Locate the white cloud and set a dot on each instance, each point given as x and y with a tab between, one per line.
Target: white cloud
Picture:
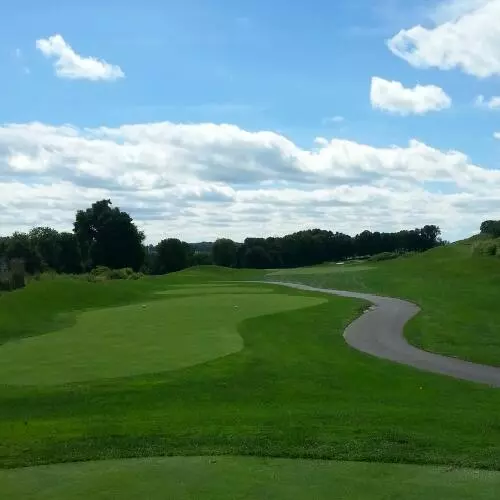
394	97
69	64
201	181
491	103
496	135
465	36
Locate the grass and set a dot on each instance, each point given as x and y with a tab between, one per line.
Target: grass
51	304
321	270
295	390
187	478
457	291
141	338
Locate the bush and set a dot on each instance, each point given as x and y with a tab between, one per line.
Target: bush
100	273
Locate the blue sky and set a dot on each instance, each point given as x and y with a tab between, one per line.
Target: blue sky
300	70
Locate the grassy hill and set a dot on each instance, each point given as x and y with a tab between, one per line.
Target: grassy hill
271	377
456	288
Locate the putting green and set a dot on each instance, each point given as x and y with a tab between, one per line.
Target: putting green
140	338
206	478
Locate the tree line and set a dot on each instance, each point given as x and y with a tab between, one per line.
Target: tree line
315	246
105	236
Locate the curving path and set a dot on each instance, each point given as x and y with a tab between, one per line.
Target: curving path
379	332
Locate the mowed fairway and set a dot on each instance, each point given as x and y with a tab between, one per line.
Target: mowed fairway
142	338
271	417
213	478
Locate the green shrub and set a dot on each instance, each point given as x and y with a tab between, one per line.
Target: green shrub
100	273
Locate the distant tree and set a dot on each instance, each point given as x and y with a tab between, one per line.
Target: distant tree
171	255
4	242
70	257
491	228
256	257
46	242
189	253
201	259
108	237
20	246
224	252
340	247
429	237
363	244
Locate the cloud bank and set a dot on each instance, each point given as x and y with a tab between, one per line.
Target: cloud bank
201	181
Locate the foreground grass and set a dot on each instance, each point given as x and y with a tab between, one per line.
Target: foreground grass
295	390
205	478
458	294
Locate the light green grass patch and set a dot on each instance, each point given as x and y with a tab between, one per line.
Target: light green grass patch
140	338
329	269
207	478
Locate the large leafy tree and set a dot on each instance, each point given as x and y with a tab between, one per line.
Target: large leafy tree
108	237
171	255
224	252
491	227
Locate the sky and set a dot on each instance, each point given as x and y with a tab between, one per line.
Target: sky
216	118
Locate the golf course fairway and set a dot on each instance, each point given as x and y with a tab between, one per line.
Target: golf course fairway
212	478
194	386
140	338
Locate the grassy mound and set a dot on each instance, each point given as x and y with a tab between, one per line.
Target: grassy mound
456	288
216	478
